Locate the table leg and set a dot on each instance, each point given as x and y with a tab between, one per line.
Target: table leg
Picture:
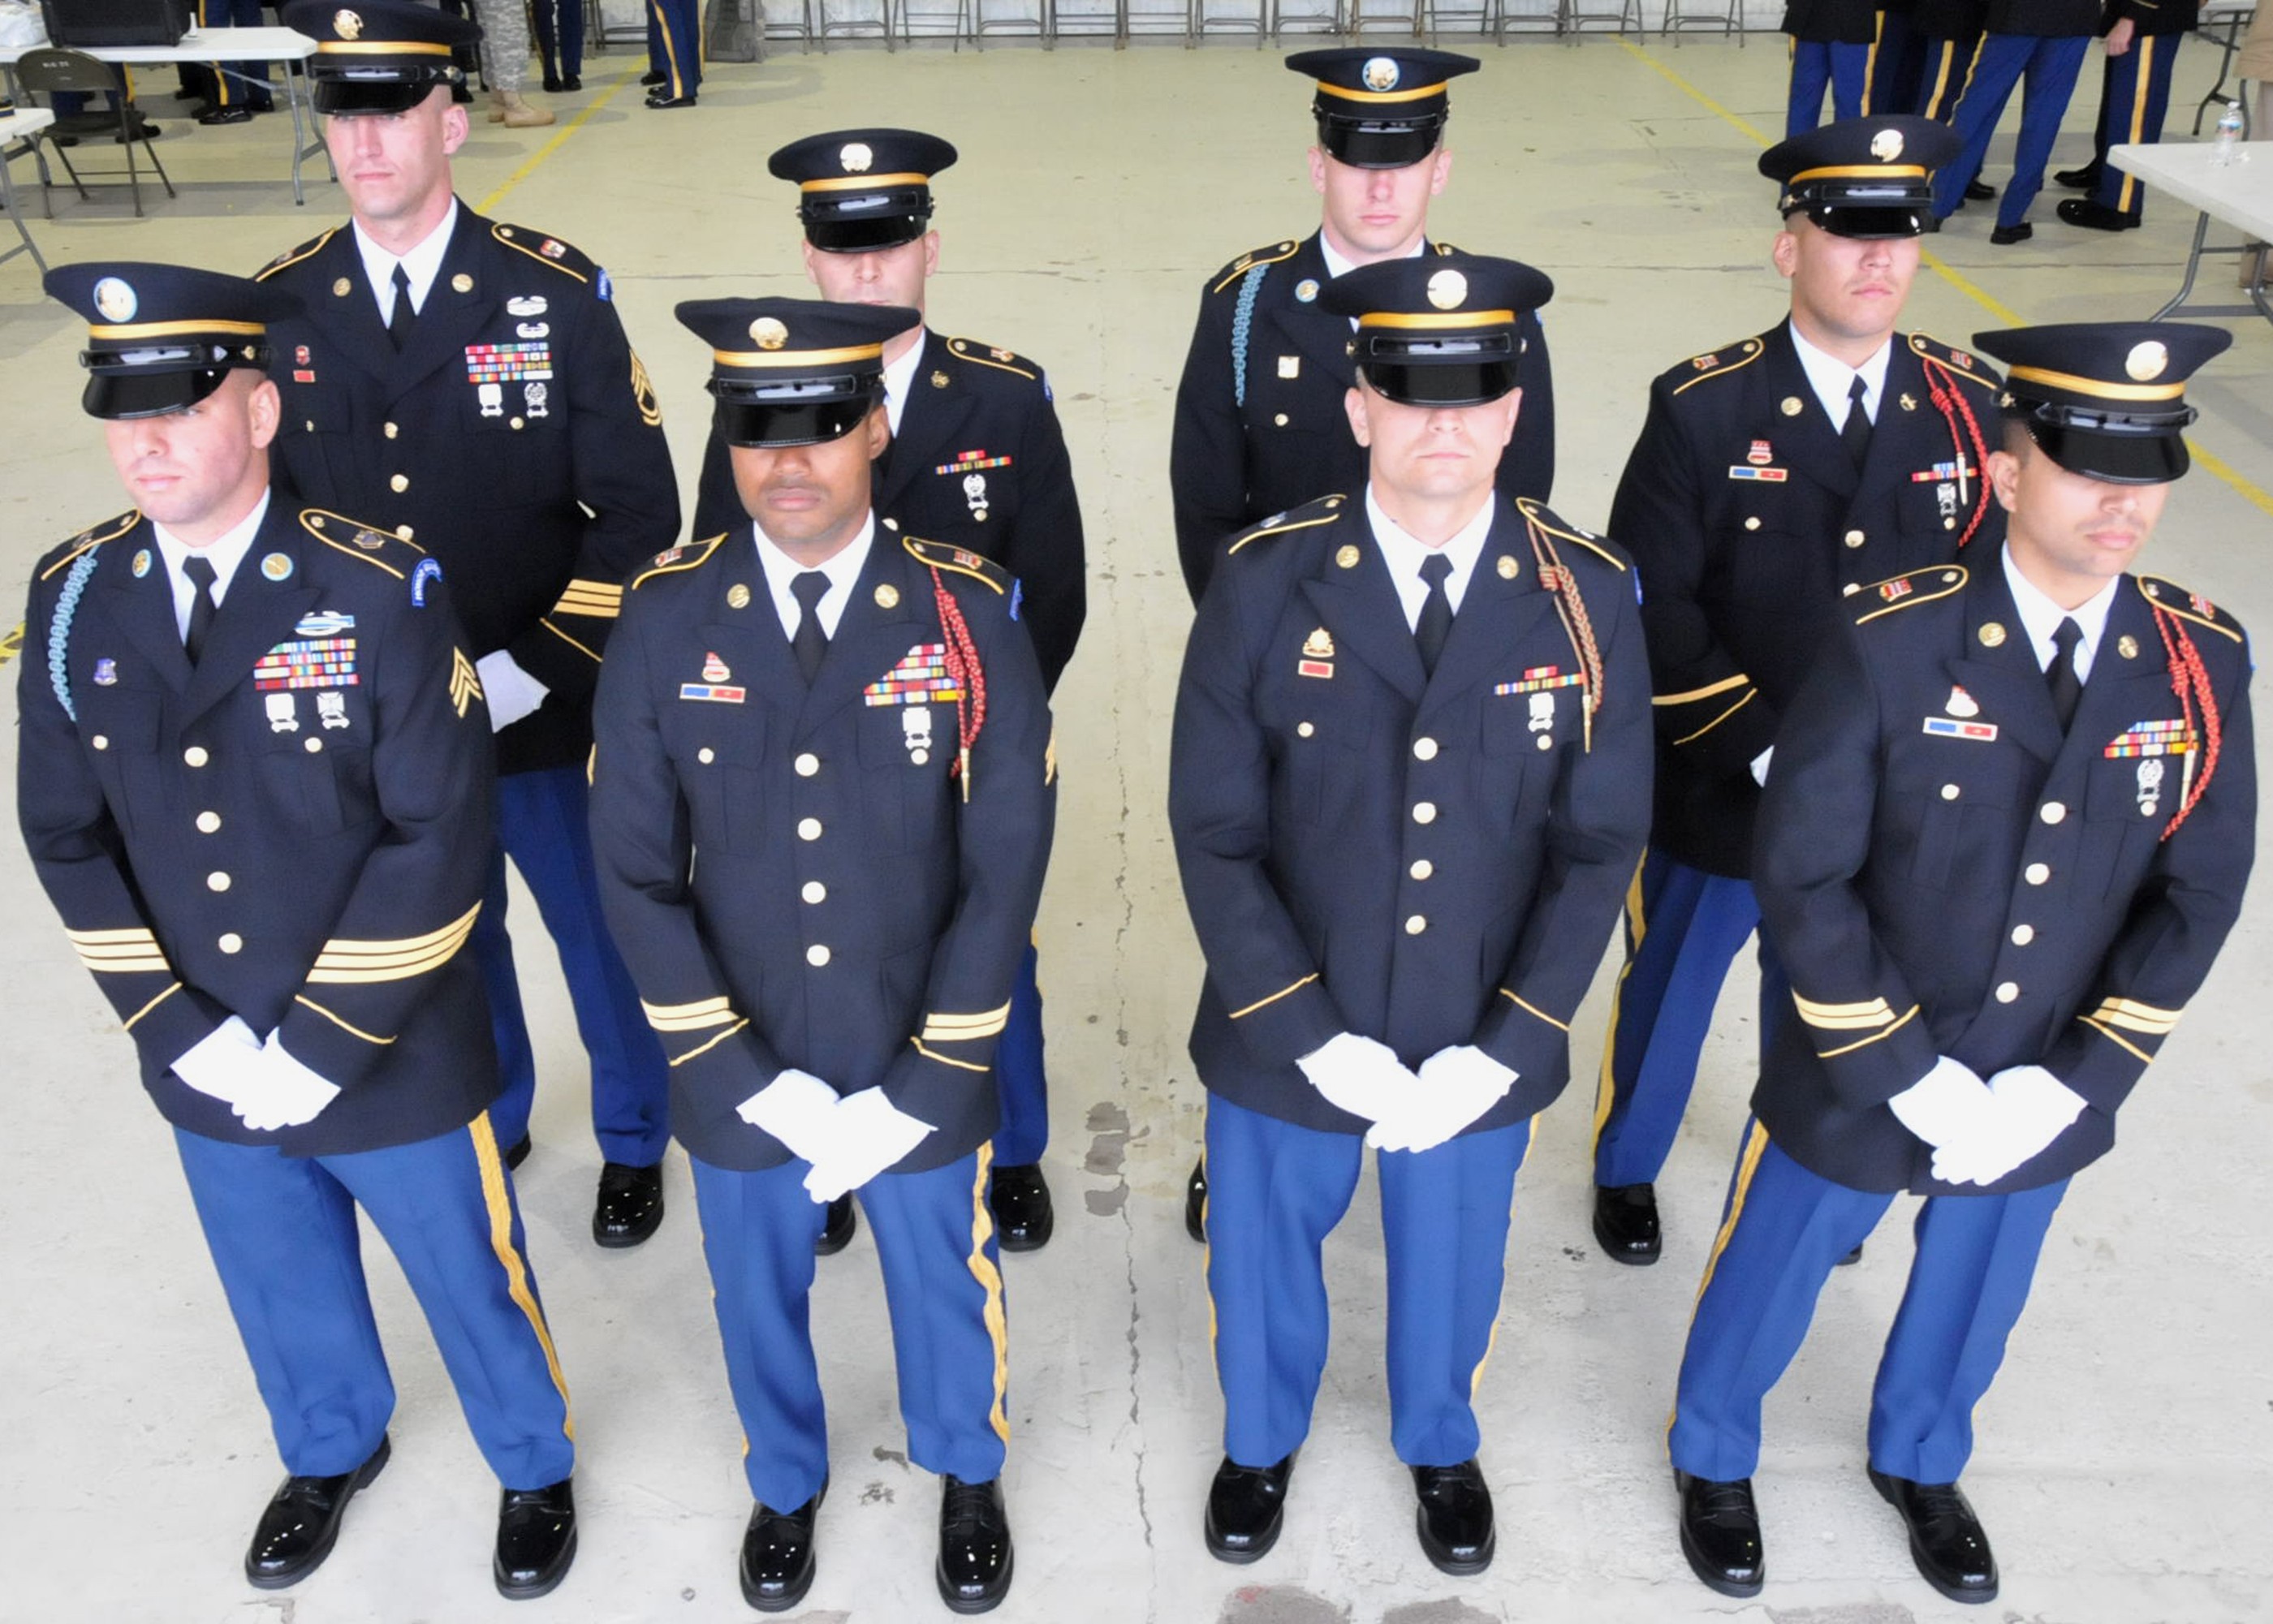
2194	264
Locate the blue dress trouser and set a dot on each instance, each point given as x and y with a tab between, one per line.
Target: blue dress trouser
2135	94
942	1287
1897	57
282	1232
560	36
1684	928
1019	1077
544	825
1782	1232
1941	77
1275	1192
1814	66
232	83
677	25
2002	61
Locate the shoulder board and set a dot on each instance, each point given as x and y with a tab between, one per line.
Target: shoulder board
960	561
293	256
1537	513
672	560
2190	606
989	355
1309	516
382	549
1897	592
1960	362
1248	261
1446	248
1717	364
547	251
88	539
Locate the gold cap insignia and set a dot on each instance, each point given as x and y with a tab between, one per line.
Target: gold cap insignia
114	298
856	157
1991	635
737	597
346	25
888	596
276	567
2147	360
1447	290
1508	568
1886	146
1790	407
768	334
2128	646
1346	556
462	283
1381	73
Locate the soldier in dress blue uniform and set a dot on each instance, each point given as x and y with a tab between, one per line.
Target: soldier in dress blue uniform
1260	422
1409	779
2011	818
468	386
254	777
976	460
2044	42
849	726
2142	40
1834	47
1771	476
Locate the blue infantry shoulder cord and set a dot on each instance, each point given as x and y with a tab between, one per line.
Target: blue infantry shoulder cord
1242	320
59	628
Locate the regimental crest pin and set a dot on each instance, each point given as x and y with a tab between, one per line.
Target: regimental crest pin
1761	455
1961	703
715	669
1318	646
106	673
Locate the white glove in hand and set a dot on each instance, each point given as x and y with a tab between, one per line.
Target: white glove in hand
287	1095
224	1063
1760	766
871	1133
798	1109
1359	1075
1457	1085
2033	1108
1948	1104
511	691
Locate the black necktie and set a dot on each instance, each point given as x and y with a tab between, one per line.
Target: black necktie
200	573
811	643
1856	435
2060	677
1436	622
398	328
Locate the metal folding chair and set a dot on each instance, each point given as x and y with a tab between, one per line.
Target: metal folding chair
49	70
12	148
1730	20
1332	20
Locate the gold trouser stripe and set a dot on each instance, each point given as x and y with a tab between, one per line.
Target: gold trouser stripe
1934	108
499	1199
1476	1376
670	50
1908	1016
933	1054
699	1016
1749	696
984	1270
702	1049
152	1004
1606	1087
1870	66
2142	81
1533	1009
1972	63
352	1031
2108	1033
1275	996
1738	681
2137	1017
1755	1143
581	648
1207	1243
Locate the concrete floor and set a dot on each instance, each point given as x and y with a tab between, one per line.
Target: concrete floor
2126	1459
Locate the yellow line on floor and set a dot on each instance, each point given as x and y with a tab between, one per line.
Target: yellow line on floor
2217	467
559	136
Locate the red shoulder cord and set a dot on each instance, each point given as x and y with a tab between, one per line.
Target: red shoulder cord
970	678
1950	402
2190	681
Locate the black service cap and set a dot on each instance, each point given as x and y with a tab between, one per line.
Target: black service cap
162	337
862	189
1861	177
1381	109
2105	398
1439	330
379	56
793	371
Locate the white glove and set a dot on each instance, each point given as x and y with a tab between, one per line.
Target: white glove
2033	1108
798	1109
224	1063
1457	1085
511	691
286	1095
1946	1105
1359	1075
1760	766
871	1133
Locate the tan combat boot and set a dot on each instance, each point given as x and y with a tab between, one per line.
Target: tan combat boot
507	109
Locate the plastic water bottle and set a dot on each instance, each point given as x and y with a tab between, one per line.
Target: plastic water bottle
2226	146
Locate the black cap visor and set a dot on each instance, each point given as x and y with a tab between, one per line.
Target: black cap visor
2122	451
345	97
1869	220
808	412
143	392
1379	144
865	231
1440	383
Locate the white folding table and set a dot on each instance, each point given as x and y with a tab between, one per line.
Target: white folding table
2239	194
19	125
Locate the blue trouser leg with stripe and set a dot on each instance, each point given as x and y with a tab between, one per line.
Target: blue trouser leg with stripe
1941	77
1275	1192
2049	67
942	1287
1783	1232
1814	66
544	824
679	23
2134	94
282	1233
1019	1077
1684	928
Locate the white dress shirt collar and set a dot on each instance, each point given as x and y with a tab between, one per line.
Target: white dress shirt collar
422	264
1831	379
2040	618
899	377
843	570
1336	265
1404	554
224	555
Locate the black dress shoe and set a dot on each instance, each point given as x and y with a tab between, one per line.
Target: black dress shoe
836	1232
1854	1256
2004	236
226	116
1246	1506
2084	178
660	102
1020	1201
572	82
630	1204
777	1563
2094	216
517	1152
552	84
1978	190
296	1531
974	1546
535	1542
1196	1203
1720	1533
653	76
1931	224
1946	1541
1625	1222
1455	1517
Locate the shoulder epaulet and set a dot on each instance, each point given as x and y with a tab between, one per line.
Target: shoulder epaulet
1960	362
1447	247
1719	363
672	560
1866	603
1271	255
547	251
1321	510
989	356
87	540
293	256
2190	606
958	560
1537	513
382	549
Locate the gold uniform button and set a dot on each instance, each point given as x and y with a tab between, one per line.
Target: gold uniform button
399	483
1950	792
1854	538
403	531
1422	869
2037	873
217	881
706	755
807	764
315	746
1850	588
2023	934
196	755
2051	811
208	822
1425	811
1752	523
99	741
1280	420
516	423
2007	991
816	955
1303	729
808	828
814	891
1424	750
1414	925
231	943
390	431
